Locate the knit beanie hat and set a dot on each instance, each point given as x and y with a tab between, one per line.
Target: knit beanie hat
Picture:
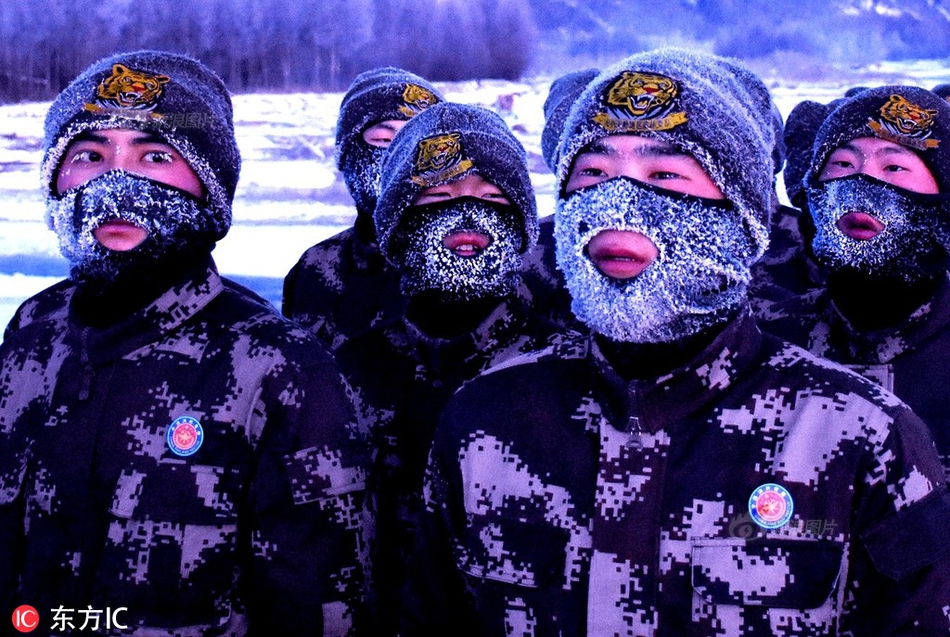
374	96
800	130
444	144
708	106
778	133
942	90
910	116
172	95
564	90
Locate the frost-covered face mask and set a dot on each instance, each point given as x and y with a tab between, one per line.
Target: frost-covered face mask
699	276
176	222
361	170
430	265
907	248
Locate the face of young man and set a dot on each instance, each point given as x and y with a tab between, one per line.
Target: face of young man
95	153
881	159
877	213
380	134
651	249
622	254
462	241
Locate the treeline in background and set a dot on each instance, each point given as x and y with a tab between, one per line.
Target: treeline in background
319	45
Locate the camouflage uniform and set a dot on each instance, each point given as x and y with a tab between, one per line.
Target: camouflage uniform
905	360
403	378
342	286
259	527
551	299
786	269
563	500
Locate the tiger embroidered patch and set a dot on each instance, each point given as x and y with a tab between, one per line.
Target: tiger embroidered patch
128	90
438	159
636	102
417	99
905	123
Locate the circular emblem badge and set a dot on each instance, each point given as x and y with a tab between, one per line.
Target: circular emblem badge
771	506
184	436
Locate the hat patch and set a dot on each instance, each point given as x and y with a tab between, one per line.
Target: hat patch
438	159
417	99
637	102
184	436
905	123
128	92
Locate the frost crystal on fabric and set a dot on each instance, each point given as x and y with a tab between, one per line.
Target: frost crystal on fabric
904	250
361	169
429	265
701	272
170	216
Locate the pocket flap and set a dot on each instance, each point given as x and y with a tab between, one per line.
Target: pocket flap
779	573
529	555
317	472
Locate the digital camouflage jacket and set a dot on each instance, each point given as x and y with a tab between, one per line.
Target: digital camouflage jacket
403	378
342	286
908	360
757	490
191	465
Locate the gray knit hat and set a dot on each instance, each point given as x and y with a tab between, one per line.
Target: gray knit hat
906	115
175	96
708	106
564	90
942	90
800	130
444	144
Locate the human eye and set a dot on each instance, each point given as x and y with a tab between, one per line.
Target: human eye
158	157
665	175
84	156
895	168
495	196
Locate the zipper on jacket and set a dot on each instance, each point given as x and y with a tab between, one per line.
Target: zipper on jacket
633	429
85	381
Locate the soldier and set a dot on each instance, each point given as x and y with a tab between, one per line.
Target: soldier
551	298
176	456
876	188
677	472
343	286
455	215
787	267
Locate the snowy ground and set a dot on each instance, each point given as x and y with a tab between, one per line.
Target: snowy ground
290	195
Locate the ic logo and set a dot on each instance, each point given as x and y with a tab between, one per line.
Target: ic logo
25	619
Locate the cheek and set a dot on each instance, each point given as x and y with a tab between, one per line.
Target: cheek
178	175
72	175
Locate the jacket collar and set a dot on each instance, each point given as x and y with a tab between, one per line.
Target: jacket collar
166	313
659	402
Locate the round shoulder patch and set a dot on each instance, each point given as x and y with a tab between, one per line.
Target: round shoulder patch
184	436
771	506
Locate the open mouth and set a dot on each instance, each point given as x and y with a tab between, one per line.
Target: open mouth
621	254
860	226
466	243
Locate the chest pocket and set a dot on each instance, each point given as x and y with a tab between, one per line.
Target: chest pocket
513	552
170	554
787	583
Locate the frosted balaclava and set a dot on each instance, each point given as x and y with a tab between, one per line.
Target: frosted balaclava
444	144
712	109
911	247
374	96
185	104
